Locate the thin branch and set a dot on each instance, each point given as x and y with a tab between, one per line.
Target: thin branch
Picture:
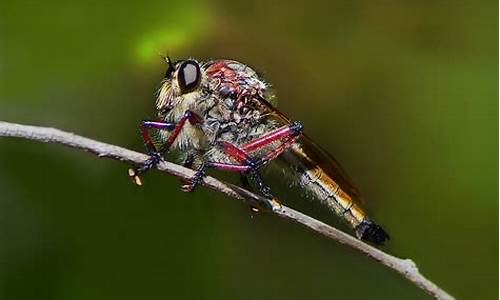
405	267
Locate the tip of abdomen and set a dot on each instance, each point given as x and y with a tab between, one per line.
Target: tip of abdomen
371	232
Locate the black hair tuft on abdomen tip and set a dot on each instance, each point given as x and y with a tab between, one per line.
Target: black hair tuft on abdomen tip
371	232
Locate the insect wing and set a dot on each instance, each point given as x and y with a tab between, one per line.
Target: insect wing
311	156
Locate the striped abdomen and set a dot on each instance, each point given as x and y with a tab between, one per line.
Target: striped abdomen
321	175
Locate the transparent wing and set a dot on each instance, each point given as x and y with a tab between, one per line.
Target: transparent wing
311	156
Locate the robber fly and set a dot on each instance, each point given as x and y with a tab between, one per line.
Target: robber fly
218	114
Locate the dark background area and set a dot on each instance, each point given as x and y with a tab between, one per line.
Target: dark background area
404	94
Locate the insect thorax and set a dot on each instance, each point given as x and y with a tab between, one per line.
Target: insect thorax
230	112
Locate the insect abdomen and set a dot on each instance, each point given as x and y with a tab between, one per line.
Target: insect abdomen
327	191
321	176
331	194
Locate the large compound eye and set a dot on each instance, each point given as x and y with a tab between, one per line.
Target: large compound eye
188	76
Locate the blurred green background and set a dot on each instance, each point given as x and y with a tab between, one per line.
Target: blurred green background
403	93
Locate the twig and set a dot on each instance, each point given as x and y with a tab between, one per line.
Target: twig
405	267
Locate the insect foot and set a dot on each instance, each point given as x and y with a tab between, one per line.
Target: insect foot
134	173
196	179
254	209
186	187
191	185
276	203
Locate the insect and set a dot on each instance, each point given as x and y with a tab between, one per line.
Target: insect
218	114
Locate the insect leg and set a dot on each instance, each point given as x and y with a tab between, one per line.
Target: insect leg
242	157
155	156
252	173
245	183
190	185
290	134
255	176
246	164
229	167
286	131
274	153
146	137
202	171
190	116
244	168
234	152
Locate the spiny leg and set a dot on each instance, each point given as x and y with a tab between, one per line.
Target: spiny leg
261	186
202	171
289	133
190	185
155	153
146	137
274	153
190	116
292	129
245	170
155	156
243	165
245	183
264	189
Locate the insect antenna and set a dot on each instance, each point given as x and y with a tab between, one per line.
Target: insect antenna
170	64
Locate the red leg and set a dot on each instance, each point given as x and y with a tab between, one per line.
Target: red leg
230	167
144	128
155	153
146	125
277	151
289	132
234	152
242	157
250	165
188	116
286	131
200	174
